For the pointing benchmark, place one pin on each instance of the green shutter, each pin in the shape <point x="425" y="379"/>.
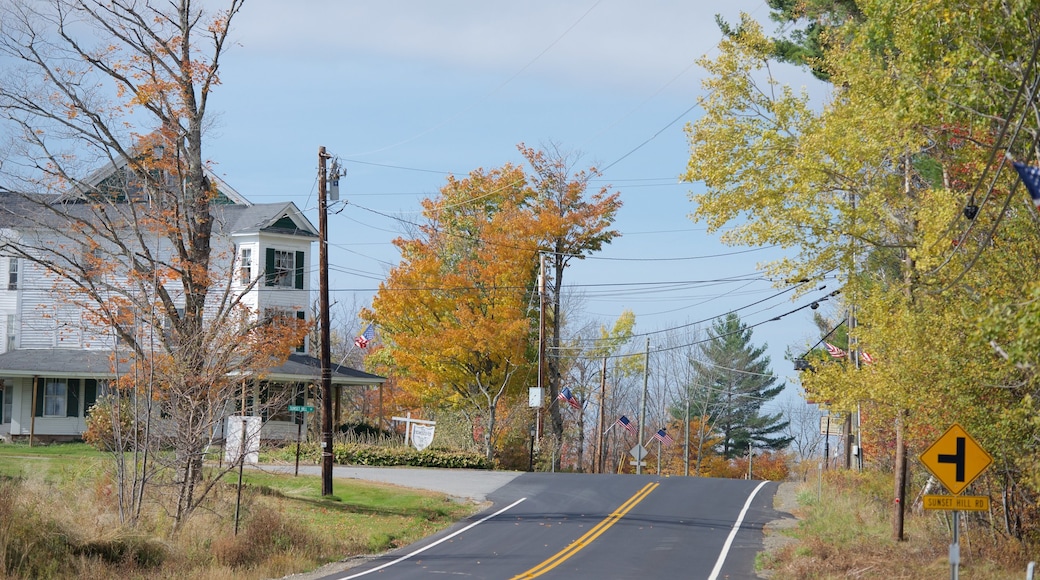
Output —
<point x="299" y="270"/>
<point x="72" y="399"/>
<point x="269" y="271"/>
<point x="39" y="396"/>
<point x="89" y="395"/>
<point x="302" y="347"/>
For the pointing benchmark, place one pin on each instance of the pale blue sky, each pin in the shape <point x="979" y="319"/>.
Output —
<point x="407" y="91"/>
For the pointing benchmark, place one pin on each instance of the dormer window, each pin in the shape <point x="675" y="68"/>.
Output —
<point x="284" y="269"/>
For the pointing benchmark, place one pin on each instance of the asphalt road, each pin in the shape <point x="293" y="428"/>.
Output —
<point x="471" y="484"/>
<point x="591" y="526"/>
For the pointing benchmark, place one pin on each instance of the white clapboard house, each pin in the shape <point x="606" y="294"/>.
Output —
<point x="54" y="363"/>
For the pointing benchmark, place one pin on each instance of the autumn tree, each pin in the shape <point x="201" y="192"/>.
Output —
<point x="914" y="208"/>
<point x="455" y="313"/>
<point x="573" y="224"/>
<point x="88" y="83"/>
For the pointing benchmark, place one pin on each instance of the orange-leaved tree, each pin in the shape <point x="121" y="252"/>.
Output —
<point x="455" y="313"/>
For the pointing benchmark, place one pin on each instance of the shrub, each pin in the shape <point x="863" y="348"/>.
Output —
<point x="100" y="433"/>
<point x="266" y="532"/>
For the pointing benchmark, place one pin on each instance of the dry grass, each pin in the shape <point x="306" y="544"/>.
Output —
<point x="65" y="524"/>
<point x="846" y="532"/>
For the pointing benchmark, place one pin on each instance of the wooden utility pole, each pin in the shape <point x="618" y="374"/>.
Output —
<point x="541" y="344"/>
<point x="323" y="307"/>
<point x="602" y="417"/>
<point x="642" y="405"/>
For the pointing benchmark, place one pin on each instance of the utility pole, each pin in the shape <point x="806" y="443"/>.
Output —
<point x="642" y="405"/>
<point x="602" y="415"/>
<point x="541" y="342"/>
<point x="323" y="307"/>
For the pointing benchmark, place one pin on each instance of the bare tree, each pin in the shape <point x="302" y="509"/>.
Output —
<point x="126" y="83"/>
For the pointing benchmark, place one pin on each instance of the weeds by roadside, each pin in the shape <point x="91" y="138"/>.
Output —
<point x="60" y="522"/>
<point x="845" y="531"/>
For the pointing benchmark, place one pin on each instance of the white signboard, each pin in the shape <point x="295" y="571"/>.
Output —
<point x="639" y="452"/>
<point x="234" y="446"/>
<point x="422" y="436"/>
<point x="831" y="425"/>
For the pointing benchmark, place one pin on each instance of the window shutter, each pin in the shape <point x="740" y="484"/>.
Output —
<point x="302" y="347"/>
<point x="72" y="402"/>
<point x="269" y="268"/>
<point x="299" y="270"/>
<point x="39" y="396"/>
<point x="89" y="395"/>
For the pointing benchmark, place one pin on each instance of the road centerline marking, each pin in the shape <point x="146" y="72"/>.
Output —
<point x="587" y="538"/>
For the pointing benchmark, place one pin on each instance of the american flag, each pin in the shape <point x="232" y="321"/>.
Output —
<point x="663" y="437"/>
<point x="624" y="422"/>
<point x="835" y="351"/>
<point x="865" y="357"/>
<point x="1031" y="179"/>
<point x="366" y="336"/>
<point x="567" y="395"/>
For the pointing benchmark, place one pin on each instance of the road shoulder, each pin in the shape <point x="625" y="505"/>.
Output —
<point x="776" y="535"/>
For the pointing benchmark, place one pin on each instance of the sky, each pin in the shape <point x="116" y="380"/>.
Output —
<point x="406" y="92"/>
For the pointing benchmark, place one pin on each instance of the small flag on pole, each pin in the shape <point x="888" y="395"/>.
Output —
<point x="567" y="395"/>
<point x="664" y="437"/>
<point x="866" y="357"/>
<point x="1030" y="176"/>
<point x="366" y="336"/>
<point x="624" y="422"/>
<point x="834" y="351"/>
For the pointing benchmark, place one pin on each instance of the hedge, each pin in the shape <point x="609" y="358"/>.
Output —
<point x="358" y="454"/>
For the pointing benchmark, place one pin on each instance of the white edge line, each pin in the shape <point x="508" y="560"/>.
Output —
<point x="733" y="533"/>
<point x="444" y="539"/>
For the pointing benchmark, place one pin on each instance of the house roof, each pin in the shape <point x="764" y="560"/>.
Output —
<point x="19" y="211"/>
<point x="76" y="363"/>
<point x="119" y="164"/>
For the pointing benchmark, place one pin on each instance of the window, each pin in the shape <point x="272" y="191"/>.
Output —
<point x="245" y="266"/>
<point x="167" y="327"/>
<point x="7" y="394"/>
<point x="55" y="397"/>
<point x="12" y="274"/>
<point x="12" y="335"/>
<point x="61" y="397"/>
<point x="284" y="269"/>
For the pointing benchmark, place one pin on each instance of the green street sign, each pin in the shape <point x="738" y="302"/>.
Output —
<point x="301" y="408"/>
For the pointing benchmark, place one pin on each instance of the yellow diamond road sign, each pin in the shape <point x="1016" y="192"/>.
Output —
<point x="956" y="459"/>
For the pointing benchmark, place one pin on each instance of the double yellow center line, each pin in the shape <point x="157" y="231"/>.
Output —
<point x="562" y="556"/>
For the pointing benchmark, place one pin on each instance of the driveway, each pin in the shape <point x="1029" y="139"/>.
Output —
<point x="464" y="484"/>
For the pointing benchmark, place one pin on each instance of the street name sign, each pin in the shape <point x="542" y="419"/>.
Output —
<point x="955" y="459"/>
<point x="967" y="503"/>
<point x="301" y="408"/>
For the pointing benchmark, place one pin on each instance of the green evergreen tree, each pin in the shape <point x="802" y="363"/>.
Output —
<point x="738" y="383"/>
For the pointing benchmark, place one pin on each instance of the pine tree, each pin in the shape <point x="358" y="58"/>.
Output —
<point x="735" y="382"/>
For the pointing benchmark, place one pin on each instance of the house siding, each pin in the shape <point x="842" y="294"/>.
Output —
<point x="46" y="316"/>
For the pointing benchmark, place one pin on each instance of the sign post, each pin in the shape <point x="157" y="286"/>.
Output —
<point x="956" y="459"/>
<point x="299" y="430"/>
